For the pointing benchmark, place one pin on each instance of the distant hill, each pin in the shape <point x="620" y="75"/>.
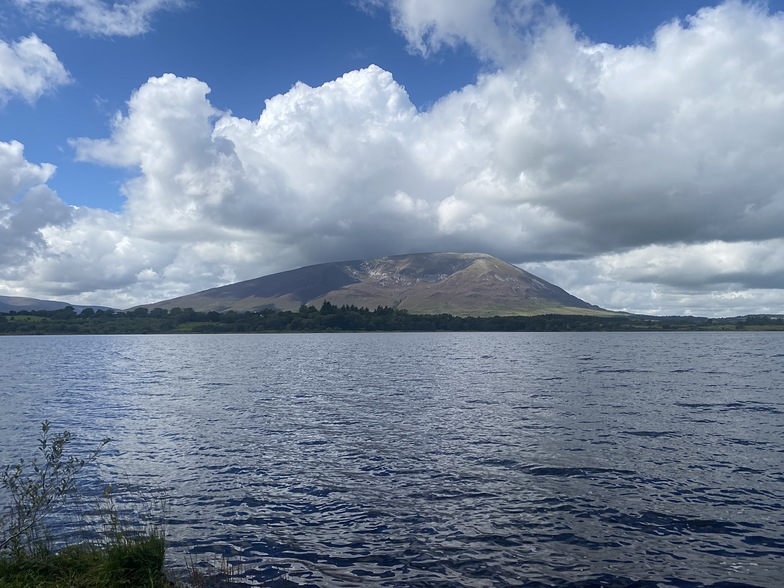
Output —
<point x="462" y="284"/>
<point x="18" y="303"/>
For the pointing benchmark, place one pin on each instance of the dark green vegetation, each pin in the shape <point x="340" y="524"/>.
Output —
<point x="108" y="554"/>
<point x="330" y="317"/>
<point x="460" y="284"/>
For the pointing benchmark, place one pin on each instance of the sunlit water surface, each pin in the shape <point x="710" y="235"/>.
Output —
<point x="469" y="459"/>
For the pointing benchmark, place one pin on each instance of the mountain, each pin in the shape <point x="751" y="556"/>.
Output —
<point x="18" y="303"/>
<point x="462" y="284"/>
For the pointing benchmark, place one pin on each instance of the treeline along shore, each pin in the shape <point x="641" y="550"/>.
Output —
<point x="332" y="318"/>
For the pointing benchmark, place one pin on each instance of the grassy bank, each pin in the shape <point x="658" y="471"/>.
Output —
<point x="135" y="563"/>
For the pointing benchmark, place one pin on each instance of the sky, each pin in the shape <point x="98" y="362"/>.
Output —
<point x="629" y="152"/>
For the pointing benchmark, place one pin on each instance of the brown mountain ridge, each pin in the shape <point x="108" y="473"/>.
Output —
<point x="462" y="284"/>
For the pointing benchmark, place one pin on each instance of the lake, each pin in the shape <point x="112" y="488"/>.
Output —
<point x="433" y="459"/>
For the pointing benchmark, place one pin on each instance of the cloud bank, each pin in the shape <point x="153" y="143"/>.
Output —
<point x="645" y="178"/>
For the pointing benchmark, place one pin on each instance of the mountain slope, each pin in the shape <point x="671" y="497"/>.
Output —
<point x="19" y="303"/>
<point x="462" y="284"/>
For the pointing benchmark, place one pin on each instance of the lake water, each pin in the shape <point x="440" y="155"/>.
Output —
<point x="441" y="459"/>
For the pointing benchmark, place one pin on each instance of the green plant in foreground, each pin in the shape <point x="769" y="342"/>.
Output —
<point x="120" y="559"/>
<point x="220" y="573"/>
<point x="36" y="488"/>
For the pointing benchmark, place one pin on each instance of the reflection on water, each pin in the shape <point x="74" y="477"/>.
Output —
<point x="435" y="459"/>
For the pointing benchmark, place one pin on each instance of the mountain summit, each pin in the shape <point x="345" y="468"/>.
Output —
<point x="462" y="284"/>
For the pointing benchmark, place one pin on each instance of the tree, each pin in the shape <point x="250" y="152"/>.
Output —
<point x="64" y="313"/>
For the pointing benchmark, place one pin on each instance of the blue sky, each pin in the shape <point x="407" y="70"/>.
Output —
<point x="625" y="151"/>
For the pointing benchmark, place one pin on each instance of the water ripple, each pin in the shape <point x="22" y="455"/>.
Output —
<point x="539" y="460"/>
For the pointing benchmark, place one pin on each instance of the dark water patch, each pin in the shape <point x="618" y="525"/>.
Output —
<point x="745" y="470"/>
<point x="747" y="406"/>
<point x="572" y="472"/>
<point x="747" y="442"/>
<point x="776" y="544"/>
<point x="705" y="405"/>
<point x="605" y="581"/>
<point x="751" y="407"/>
<point x="656" y="523"/>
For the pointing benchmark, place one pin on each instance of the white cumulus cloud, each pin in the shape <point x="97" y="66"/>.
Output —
<point x="28" y="69"/>
<point x="99" y="17"/>
<point x="27" y="208"/>
<point x="494" y="29"/>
